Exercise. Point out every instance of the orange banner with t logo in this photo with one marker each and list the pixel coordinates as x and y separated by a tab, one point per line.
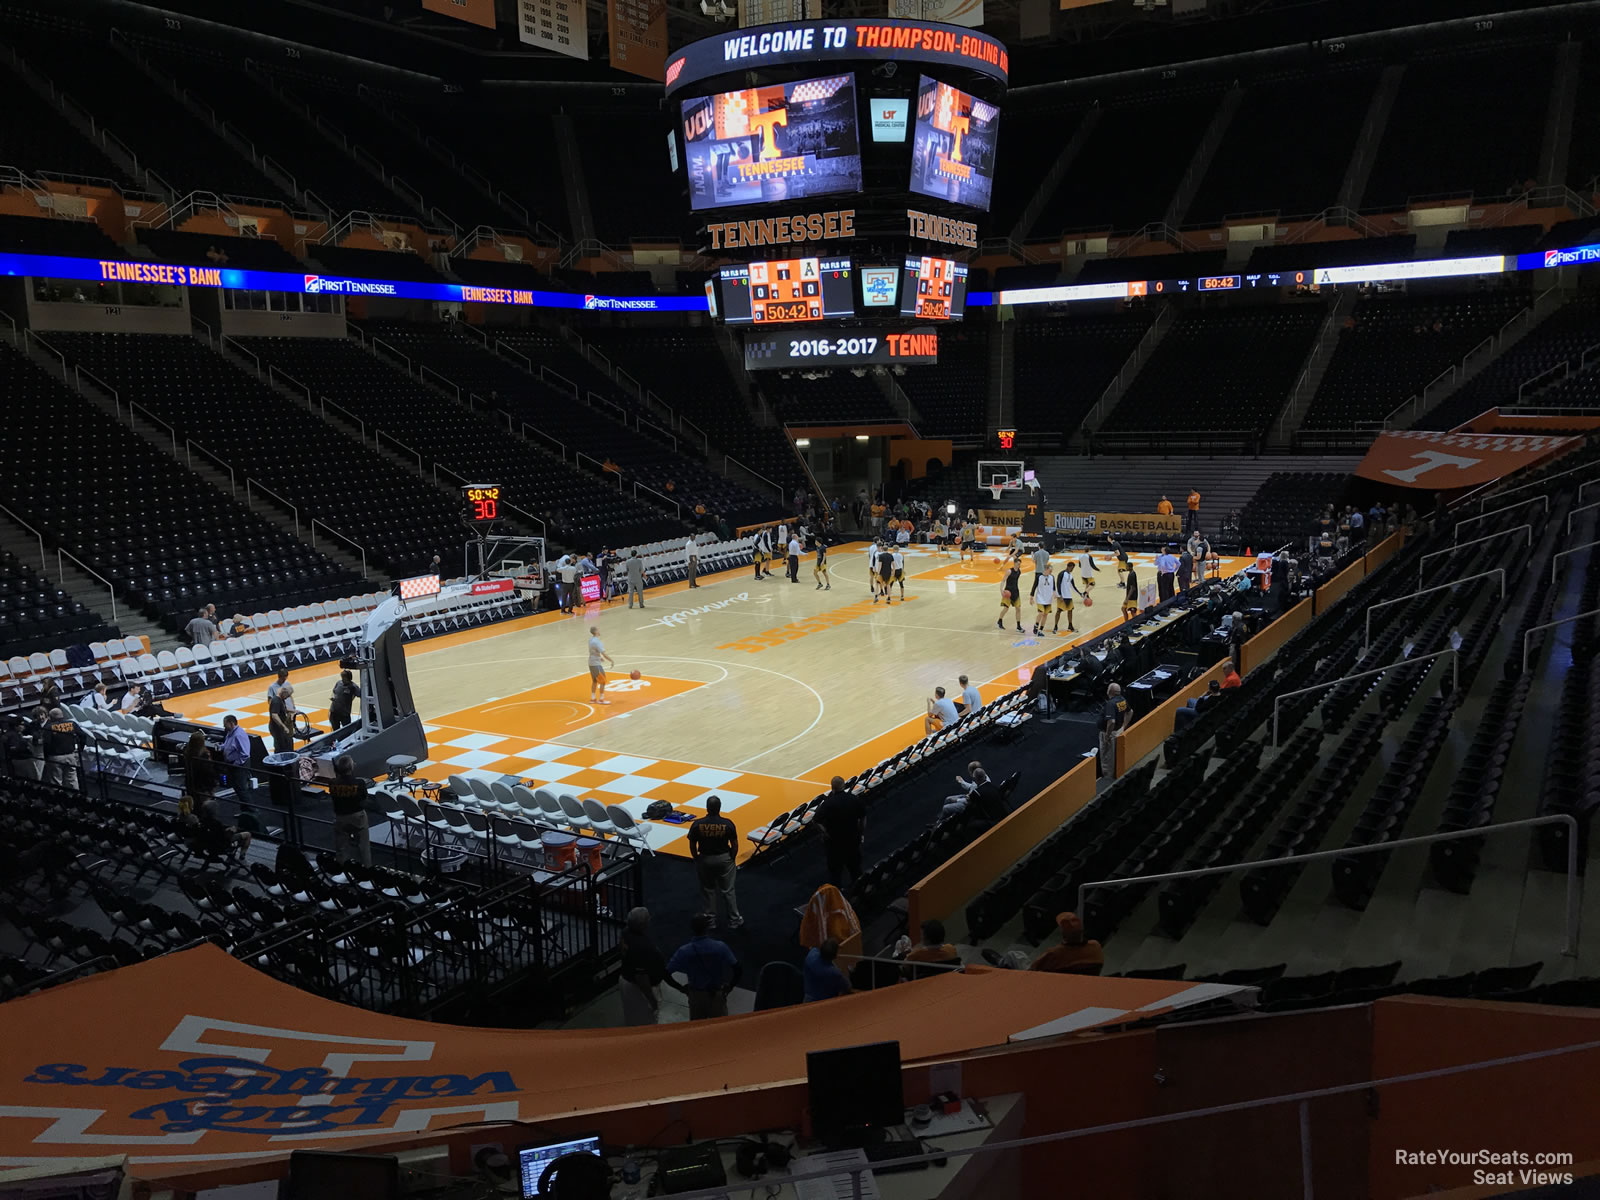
1442	462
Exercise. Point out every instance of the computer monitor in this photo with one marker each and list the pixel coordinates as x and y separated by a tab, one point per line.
532	1160
326	1175
855	1093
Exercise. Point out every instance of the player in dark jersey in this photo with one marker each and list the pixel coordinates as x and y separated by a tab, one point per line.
1130	598
1011	597
1121	556
820	569
885	572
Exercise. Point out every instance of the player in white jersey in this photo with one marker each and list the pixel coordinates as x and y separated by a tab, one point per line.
899	562
1044	598
1087	569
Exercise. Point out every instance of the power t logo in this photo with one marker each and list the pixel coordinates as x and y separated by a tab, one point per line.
227	1086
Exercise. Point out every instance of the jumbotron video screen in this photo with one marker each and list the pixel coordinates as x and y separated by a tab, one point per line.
952	151
767	144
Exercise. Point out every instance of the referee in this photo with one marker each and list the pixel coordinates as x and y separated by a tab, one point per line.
1166	573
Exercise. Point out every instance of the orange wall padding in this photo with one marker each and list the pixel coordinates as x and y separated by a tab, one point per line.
1385	550
1333	591
1266	643
1149	731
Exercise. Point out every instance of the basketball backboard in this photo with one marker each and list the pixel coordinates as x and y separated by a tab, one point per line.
1000	476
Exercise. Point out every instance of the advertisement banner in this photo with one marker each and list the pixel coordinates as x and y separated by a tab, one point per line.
559	25
193	1062
1442	462
589	588
638	33
1086	526
488	587
474	12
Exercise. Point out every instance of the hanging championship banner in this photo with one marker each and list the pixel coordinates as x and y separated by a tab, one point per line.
559	25
474	12
638	33
950	12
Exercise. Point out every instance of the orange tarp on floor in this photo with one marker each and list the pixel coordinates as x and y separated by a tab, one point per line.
194	1060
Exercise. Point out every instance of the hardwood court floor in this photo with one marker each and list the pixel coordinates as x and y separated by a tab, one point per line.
758	692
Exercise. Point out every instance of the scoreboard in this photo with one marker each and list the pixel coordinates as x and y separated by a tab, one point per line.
769	292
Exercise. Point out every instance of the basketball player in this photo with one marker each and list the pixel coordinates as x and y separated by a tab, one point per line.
1044	599
1014	554
937	533
1130	597
1065	586
597	672
898	561
1041	567
885	571
762	552
1087	569
1121	556
969	542
1011	597
819	570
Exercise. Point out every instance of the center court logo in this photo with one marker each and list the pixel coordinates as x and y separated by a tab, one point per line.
681	617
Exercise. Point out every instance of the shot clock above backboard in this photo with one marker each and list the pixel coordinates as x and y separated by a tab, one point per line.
482	503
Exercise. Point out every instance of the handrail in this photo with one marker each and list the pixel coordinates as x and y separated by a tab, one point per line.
500	344
1546	376
315	521
14	337
378	341
600	467
730	460
293	511
595	400
1545	482
87	570
562	383
1394	666
44	565
1576	511
30	335
228	338
544	531
677	508
1476	541
424	370
705	442
361	425
1574	912
1560	554
378	434
1366	639
1551	625
190	446
275	371
1545	500
1584	487
640	422
80	373
211	337
134	406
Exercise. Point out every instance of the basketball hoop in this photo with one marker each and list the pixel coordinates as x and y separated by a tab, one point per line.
995	489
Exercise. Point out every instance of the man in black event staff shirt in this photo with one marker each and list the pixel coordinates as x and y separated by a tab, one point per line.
62	741
1114	717
351	838
843	820
714	846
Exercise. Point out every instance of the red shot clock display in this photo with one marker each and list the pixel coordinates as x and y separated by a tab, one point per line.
482	503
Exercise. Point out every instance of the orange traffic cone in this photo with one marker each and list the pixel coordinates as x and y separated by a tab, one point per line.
1247	553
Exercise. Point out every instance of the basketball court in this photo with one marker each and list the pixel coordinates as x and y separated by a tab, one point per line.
758	692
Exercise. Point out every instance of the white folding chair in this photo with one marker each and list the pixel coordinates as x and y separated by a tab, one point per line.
627	829
598	816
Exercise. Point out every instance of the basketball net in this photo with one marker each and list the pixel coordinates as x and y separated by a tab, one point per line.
995	489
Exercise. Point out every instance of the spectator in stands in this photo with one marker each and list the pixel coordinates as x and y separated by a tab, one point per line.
1166	572
714	846
343	698
213	834
1114	718
199	770
691	550
1213	693
213	255
644	969
351	836
1191	521
278	685
280	719
235	746
932	949
1076	955
878	511
1163	507
1231	679
50	692
435	566
1358	526
971	699
709	967
18	748
843	821
97	699
241	625
1238	635
566	582
941	709
824	979
634	568
62	742
132	699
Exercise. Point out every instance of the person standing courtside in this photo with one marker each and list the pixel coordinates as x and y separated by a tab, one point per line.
1166	571
714	846
1191	520
819	569
1114	716
62	741
691	550
709	967
351	836
635	570
843	821
280	719
342	700
794	557
761	551
598	659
